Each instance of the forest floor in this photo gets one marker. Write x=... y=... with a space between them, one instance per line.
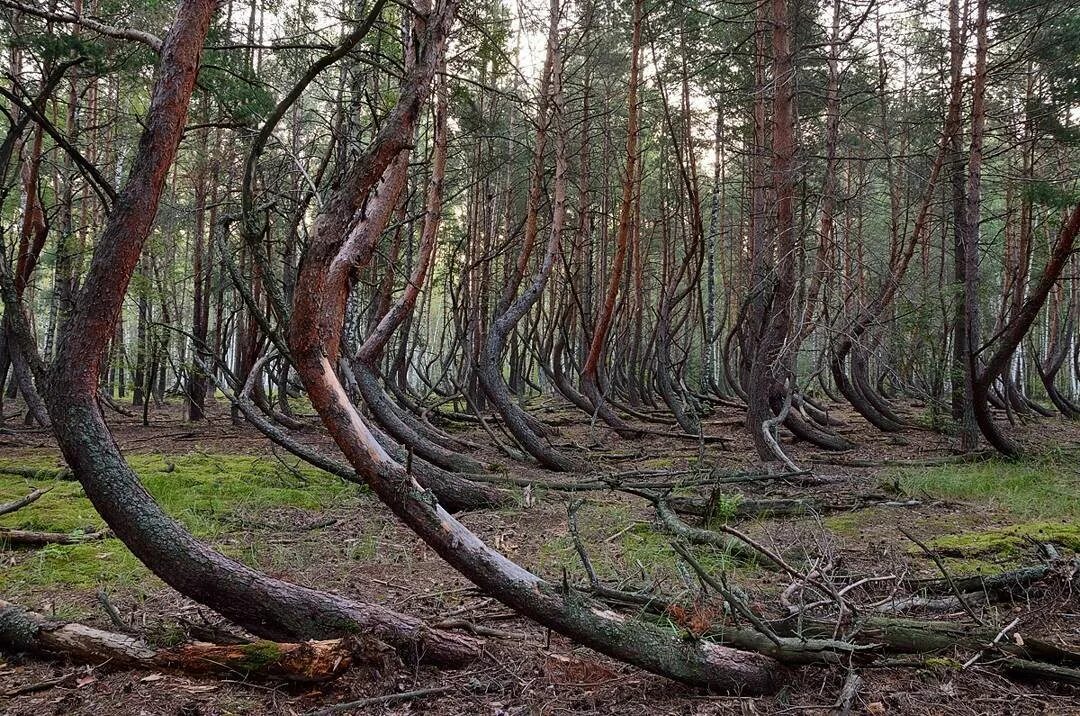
x=230 y=487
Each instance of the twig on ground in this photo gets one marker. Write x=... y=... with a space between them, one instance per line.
x=15 y=505
x=571 y=519
x=994 y=641
x=110 y=610
x=945 y=573
x=36 y=687
x=355 y=706
x=844 y=702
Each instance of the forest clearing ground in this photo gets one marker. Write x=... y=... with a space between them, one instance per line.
x=231 y=489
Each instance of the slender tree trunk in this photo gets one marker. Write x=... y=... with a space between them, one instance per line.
x=969 y=235
x=589 y=372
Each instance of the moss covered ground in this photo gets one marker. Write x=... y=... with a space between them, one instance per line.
x=209 y=493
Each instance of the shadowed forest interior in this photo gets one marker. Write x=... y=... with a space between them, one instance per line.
x=521 y=357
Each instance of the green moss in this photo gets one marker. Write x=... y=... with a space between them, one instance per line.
x=81 y=566
x=658 y=463
x=208 y=493
x=1008 y=541
x=64 y=509
x=849 y=523
x=259 y=654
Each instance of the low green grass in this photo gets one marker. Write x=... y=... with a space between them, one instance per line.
x=208 y=493
x=849 y=523
x=1044 y=487
x=1039 y=496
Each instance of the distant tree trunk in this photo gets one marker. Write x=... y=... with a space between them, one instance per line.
x=589 y=372
x=142 y=335
x=969 y=235
x=197 y=384
x=716 y=220
x=961 y=395
x=529 y=432
x=828 y=184
x=33 y=233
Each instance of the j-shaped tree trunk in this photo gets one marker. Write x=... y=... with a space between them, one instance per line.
x=265 y=606
x=1015 y=330
x=315 y=342
x=367 y=357
x=590 y=384
x=514 y=306
x=1057 y=351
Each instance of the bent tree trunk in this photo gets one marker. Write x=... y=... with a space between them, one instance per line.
x=267 y=607
x=520 y=423
x=1014 y=332
x=590 y=371
x=367 y=356
x=315 y=342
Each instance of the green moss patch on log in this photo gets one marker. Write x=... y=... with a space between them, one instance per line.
x=1009 y=541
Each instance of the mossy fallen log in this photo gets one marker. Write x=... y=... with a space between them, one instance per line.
x=309 y=661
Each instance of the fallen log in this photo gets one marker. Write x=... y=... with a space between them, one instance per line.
x=34 y=473
x=15 y=505
x=28 y=538
x=914 y=636
x=999 y=585
x=309 y=661
x=820 y=459
x=932 y=604
x=743 y=509
x=1041 y=670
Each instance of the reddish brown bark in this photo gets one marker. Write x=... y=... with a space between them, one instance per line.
x=263 y=605
x=314 y=340
x=602 y=325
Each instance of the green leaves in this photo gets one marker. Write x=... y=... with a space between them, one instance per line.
x=234 y=87
x=1052 y=194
